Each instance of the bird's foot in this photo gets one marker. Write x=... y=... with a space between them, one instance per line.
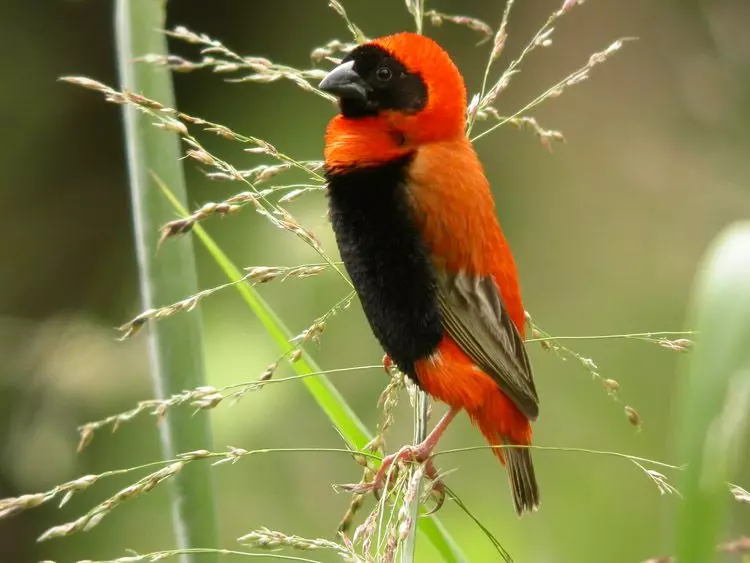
x=388 y=472
x=419 y=453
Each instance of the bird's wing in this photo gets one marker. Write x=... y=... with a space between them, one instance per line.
x=475 y=317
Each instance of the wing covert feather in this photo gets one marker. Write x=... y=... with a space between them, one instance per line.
x=474 y=316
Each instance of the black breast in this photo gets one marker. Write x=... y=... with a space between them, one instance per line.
x=386 y=258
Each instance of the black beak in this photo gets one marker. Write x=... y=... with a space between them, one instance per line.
x=344 y=82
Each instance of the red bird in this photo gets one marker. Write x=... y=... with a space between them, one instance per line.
x=415 y=224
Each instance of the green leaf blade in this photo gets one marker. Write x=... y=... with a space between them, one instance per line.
x=175 y=346
x=715 y=394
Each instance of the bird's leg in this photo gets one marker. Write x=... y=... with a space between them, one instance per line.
x=418 y=452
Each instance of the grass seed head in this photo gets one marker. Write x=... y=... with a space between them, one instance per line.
x=612 y=385
x=568 y=5
x=633 y=417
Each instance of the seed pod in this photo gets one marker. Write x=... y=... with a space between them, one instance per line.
x=633 y=417
x=612 y=385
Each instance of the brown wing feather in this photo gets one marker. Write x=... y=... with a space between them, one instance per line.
x=476 y=319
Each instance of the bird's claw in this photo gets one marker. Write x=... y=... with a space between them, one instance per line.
x=387 y=474
x=437 y=492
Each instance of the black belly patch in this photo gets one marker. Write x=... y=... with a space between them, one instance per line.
x=385 y=256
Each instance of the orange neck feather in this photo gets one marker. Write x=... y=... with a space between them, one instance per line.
x=365 y=141
x=377 y=139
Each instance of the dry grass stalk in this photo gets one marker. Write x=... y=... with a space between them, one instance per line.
x=548 y=342
x=387 y=403
x=659 y=479
x=678 y=345
x=205 y=397
x=97 y=514
x=612 y=386
x=171 y=118
x=331 y=48
x=438 y=18
x=270 y=539
x=357 y=33
x=315 y=330
x=740 y=494
x=545 y=136
x=14 y=505
x=480 y=104
x=255 y=275
x=220 y=59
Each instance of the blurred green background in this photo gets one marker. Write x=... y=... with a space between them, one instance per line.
x=607 y=232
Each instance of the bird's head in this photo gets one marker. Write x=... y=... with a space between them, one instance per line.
x=405 y=82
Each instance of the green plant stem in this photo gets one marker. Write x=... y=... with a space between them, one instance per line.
x=714 y=395
x=421 y=409
x=175 y=346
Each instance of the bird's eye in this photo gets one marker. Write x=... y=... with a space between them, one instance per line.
x=383 y=74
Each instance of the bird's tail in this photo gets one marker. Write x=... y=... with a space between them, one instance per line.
x=523 y=483
x=503 y=424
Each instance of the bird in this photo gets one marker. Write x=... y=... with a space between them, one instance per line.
x=414 y=220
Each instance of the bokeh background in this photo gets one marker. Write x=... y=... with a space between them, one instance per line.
x=607 y=230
